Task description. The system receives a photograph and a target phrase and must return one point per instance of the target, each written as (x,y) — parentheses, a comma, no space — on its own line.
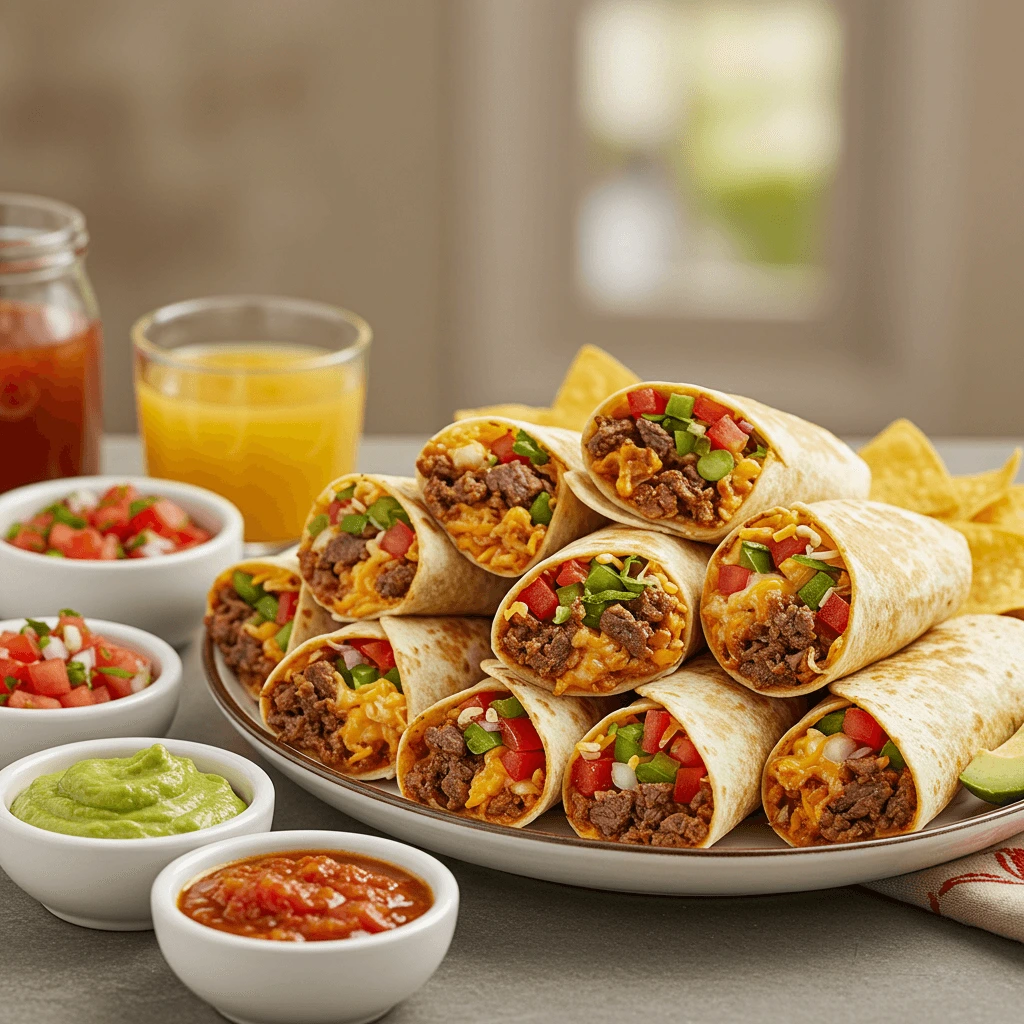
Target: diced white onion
(623,776)
(838,747)
(140,680)
(156,546)
(469,456)
(321,540)
(86,658)
(696,428)
(467,715)
(83,501)
(351,655)
(861,752)
(488,726)
(55,650)
(4,653)
(824,556)
(72,638)
(824,597)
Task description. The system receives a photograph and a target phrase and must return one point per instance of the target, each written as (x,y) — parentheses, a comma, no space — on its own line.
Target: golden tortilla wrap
(510,544)
(434,656)
(559,722)
(907,573)
(957,690)
(443,584)
(805,462)
(733,730)
(605,667)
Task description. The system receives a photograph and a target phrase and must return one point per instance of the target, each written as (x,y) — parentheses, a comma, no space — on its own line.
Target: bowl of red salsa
(136,550)
(312,926)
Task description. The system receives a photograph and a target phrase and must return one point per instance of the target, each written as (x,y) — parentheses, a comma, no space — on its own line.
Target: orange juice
(255,423)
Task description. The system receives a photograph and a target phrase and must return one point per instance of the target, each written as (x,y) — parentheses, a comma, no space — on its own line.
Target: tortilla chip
(998,557)
(979,492)
(1007,511)
(592,377)
(907,471)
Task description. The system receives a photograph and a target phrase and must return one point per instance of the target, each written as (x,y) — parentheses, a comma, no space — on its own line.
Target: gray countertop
(534,951)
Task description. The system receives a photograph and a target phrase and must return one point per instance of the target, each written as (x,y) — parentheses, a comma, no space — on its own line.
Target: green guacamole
(152,793)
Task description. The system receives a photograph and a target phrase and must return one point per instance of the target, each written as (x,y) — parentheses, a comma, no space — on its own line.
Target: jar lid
(39,234)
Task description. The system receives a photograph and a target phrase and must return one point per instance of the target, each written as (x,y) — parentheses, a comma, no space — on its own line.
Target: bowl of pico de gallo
(135,550)
(67,678)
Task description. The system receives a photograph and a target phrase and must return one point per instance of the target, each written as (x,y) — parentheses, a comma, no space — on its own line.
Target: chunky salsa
(641,781)
(843,780)
(306,896)
(359,552)
(778,601)
(119,524)
(675,456)
(494,489)
(343,704)
(66,666)
(482,758)
(251,621)
(590,625)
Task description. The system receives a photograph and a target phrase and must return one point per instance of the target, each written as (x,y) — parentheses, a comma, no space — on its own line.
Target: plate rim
(228,706)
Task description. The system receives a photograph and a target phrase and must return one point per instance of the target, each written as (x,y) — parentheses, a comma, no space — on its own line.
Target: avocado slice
(997,776)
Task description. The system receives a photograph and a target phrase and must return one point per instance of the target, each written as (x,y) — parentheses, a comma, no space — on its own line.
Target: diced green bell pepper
(354,524)
(592,615)
(613,728)
(567,595)
(343,670)
(627,741)
(563,613)
(392,676)
(815,589)
(685,441)
(267,607)
(62,514)
(891,751)
(832,723)
(40,628)
(508,707)
(242,583)
(756,556)
(816,563)
(680,406)
(364,675)
(479,740)
(283,635)
(701,447)
(716,464)
(346,494)
(526,445)
(601,577)
(660,768)
(318,524)
(540,510)
(385,512)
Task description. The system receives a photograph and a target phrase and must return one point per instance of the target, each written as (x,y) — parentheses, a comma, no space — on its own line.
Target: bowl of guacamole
(85,828)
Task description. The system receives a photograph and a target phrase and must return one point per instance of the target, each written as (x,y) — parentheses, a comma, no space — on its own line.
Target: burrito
(799,596)
(882,754)
(494,752)
(608,612)
(370,548)
(346,697)
(681,766)
(497,486)
(689,460)
(250,616)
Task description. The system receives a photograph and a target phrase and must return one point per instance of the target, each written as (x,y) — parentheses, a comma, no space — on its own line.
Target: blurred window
(714,133)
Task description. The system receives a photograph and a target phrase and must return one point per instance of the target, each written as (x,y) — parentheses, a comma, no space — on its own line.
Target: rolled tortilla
(436,580)
(598,664)
(435,656)
(955,691)
(804,462)
(906,572)
(733,730)
(504,540)
(248,642)
(559,723)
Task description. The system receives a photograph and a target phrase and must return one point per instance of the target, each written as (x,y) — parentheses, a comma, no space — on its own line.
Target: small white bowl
(340,981)
(23,731)
(165,595)
(105,883)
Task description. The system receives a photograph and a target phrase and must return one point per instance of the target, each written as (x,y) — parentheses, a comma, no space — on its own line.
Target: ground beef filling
(500,487)
(304,715)
(547,648)
(776,651)
(242,653)
(327,571)
(443,774)
(647,816)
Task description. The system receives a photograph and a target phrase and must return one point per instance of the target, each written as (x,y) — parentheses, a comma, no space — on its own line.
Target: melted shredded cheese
(277,579)
(629,467)
(372,717)
(490,780)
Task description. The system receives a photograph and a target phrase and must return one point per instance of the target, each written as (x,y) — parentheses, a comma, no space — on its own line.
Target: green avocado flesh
(996,778)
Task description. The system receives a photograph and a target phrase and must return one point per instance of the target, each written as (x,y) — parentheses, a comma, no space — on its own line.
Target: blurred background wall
(815,202)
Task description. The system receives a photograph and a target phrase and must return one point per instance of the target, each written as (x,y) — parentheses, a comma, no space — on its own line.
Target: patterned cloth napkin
(975,890)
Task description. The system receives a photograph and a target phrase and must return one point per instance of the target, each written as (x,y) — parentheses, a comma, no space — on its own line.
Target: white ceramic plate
(750,861)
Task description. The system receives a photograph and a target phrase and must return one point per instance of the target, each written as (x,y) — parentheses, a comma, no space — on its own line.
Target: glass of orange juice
(258,398)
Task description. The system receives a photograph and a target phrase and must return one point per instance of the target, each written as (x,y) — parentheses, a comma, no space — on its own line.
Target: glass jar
(50,344)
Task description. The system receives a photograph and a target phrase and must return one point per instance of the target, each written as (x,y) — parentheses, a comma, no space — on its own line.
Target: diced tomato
(380,652)
(110,547)
(286,602)
(707,410)
(521,764)
(119,657)
(61,536)
(29,539)
(860,726)
(21,647)
(479,700)
(398,539)
(24,699)
(119,493)
(590,777)
(835,613)
(119,686)
(147,519)
(688,784)
(724,433)
(85,543)
(100,694)
(656,722)
(41,521)
(50,678)
(572,572)
(173,517)
(540,599)
(733,578)
(646,400)
(519,734)
(334,510)
(783,549)
(112,519)
(682,749)
(190,535)
(12,668)
(503,449)
(79,697)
